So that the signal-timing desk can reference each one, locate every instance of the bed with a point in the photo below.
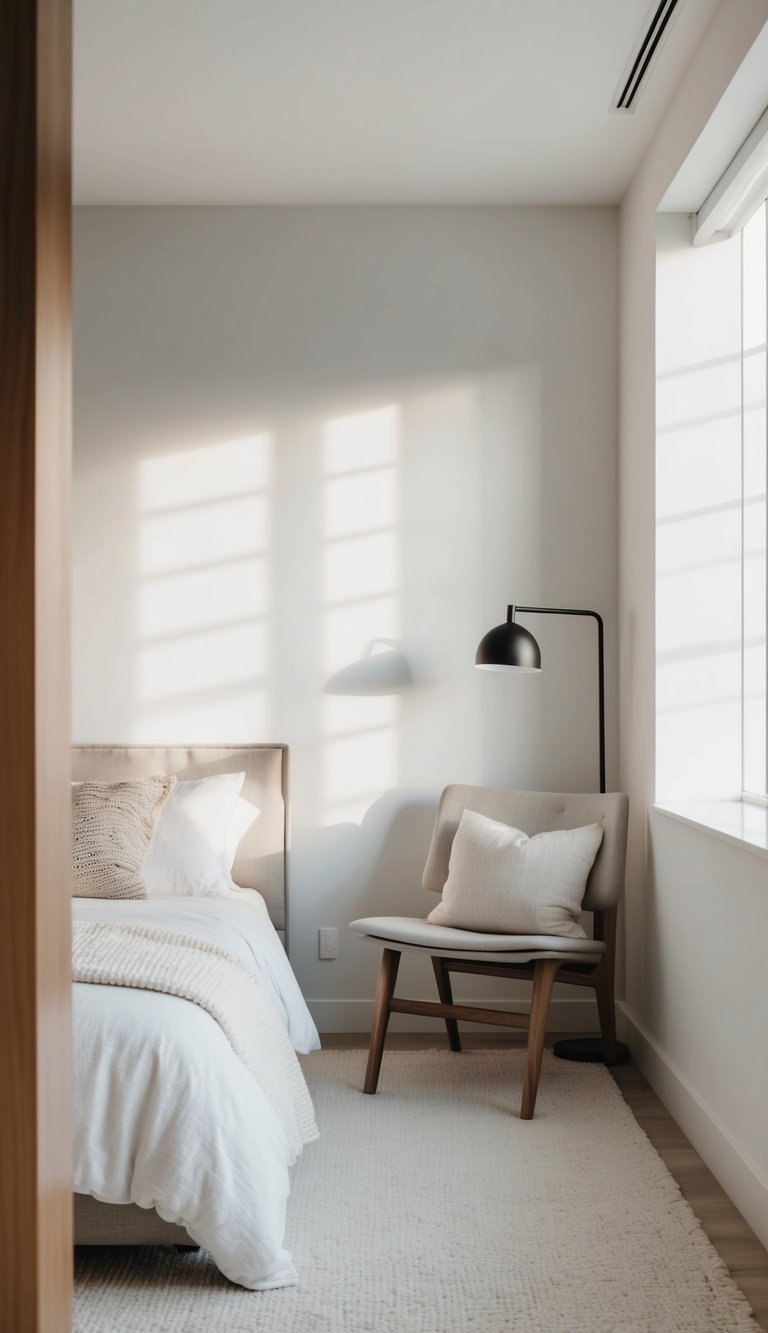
(148, 1061)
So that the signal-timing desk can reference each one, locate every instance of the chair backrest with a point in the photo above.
(538, 812)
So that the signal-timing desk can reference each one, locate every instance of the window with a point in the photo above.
(711, 480)
(754, 374)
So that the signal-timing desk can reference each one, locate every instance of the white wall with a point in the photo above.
(297, 430)
(701, 1034)
(667, 995)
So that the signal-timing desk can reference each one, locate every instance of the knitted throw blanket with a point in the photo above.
(217, 981)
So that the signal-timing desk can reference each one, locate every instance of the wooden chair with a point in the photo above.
(540, 958)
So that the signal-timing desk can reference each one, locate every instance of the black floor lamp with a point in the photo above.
(511, 647)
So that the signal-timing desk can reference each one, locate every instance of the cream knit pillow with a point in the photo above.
(502, 881)
(112, 827)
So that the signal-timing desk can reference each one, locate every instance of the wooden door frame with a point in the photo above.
(35, 469)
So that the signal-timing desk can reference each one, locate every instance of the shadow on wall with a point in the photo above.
(382, 669)
(373, 867)
(401, 833)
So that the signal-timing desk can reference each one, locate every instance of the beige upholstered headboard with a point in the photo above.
(261, 857)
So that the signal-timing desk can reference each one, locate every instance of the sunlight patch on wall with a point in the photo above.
(203, 535)
(361, 580)
(361, 440)
(208, 472)
(202, 603)
(360, 503)
(202, 662)
(359, 568)
(192, 600)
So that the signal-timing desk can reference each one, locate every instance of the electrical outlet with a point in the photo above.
(328, 942)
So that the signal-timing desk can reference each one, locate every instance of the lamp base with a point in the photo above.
(588, 1050)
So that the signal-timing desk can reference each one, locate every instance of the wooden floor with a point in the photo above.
(734, 1241)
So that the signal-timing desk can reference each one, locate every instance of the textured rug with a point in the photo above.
(431, 1208)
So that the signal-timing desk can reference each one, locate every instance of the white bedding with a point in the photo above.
(165, 1113)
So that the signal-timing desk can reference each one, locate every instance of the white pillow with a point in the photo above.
(501, 880)
(243, 816)
(189, 851)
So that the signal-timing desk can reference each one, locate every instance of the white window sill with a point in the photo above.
(735, 821)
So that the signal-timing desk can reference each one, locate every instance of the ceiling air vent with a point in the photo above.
(646, 48)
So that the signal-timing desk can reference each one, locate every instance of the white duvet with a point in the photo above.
(166, 1115)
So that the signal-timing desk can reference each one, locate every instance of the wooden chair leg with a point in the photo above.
(445, 993)
(543, 981)
(390, 962)
(606, 1009)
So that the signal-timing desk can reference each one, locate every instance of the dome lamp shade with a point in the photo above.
(508, 647)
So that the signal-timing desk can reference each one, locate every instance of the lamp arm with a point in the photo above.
(562, 611)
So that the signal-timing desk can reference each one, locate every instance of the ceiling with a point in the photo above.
(364, 101)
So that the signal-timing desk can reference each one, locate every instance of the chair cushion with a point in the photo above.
(413, 932)
(499, 879)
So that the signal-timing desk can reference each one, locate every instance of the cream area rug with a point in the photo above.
(431, 1208)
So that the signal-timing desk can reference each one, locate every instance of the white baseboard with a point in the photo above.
(740, 1177)
(576, 1015)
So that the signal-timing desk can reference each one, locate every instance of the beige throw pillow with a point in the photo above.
(502, 881)
(112, 827)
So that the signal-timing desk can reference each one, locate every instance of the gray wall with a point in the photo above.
(298, 430)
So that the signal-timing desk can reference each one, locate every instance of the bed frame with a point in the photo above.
(260, 864)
